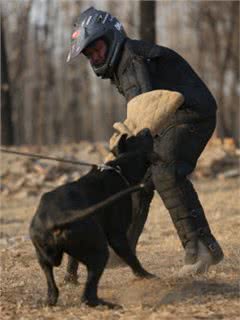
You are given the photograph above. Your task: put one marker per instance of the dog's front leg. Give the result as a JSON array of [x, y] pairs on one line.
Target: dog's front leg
[[71, 272], [53, 291], [120, 245], [141, 203]]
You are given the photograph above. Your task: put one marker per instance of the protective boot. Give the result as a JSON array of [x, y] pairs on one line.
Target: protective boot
[[177, 192], [201, 248]]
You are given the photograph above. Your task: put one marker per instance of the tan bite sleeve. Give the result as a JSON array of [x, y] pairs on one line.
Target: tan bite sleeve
[[152, 109], [148, 110]]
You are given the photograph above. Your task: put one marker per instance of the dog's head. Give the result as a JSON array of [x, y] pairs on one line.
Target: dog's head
[[134, 155], [142, 142]]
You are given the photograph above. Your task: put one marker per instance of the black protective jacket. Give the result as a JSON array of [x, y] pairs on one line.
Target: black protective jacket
[[144, 67]]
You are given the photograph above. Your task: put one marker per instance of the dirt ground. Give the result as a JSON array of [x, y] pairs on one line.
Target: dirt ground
[[212, 296]]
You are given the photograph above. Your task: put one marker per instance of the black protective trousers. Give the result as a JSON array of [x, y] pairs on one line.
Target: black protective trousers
[[178, 147]]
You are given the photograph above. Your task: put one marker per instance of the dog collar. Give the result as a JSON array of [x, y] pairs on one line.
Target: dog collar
[[117, 169]]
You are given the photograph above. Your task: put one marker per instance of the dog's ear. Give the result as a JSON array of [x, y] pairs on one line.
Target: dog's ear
[[145, 140], [121, 146], [144, 132]]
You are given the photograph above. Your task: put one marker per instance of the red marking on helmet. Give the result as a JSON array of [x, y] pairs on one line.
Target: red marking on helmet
[[76, 34]]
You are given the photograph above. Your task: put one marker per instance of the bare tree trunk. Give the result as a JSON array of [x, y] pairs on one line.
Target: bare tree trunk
[[218, 25], [6, 105], [222, 128], [147, 20]]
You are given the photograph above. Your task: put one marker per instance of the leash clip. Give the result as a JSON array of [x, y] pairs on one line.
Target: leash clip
[[103, 167]]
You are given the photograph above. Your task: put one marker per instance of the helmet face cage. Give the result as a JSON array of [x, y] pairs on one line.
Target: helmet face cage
[[91, 25]]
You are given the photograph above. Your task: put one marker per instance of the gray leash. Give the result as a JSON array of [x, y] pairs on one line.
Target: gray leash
[[100, 167], [39, 156]]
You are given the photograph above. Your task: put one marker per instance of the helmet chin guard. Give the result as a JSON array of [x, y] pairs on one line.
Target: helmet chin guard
[[94, 24]]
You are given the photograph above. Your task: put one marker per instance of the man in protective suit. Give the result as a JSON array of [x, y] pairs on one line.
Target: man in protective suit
[[141, 69]]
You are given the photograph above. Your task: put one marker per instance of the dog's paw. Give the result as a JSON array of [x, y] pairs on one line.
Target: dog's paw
[[51, 300], [71, 279], [93, 303], [150, 276], [143, 274]]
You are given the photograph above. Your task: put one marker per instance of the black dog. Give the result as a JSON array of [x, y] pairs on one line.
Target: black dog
[[62, 224]]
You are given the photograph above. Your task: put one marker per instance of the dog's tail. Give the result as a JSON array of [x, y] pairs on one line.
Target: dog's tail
[[74, 215]]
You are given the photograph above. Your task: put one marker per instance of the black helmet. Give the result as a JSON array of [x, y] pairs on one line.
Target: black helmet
[[91, 25]]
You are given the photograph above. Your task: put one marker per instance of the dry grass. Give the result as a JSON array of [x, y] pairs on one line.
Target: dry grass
[[213, 296]]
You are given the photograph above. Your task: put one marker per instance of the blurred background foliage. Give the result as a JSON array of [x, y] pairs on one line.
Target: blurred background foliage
[[44, 100]]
